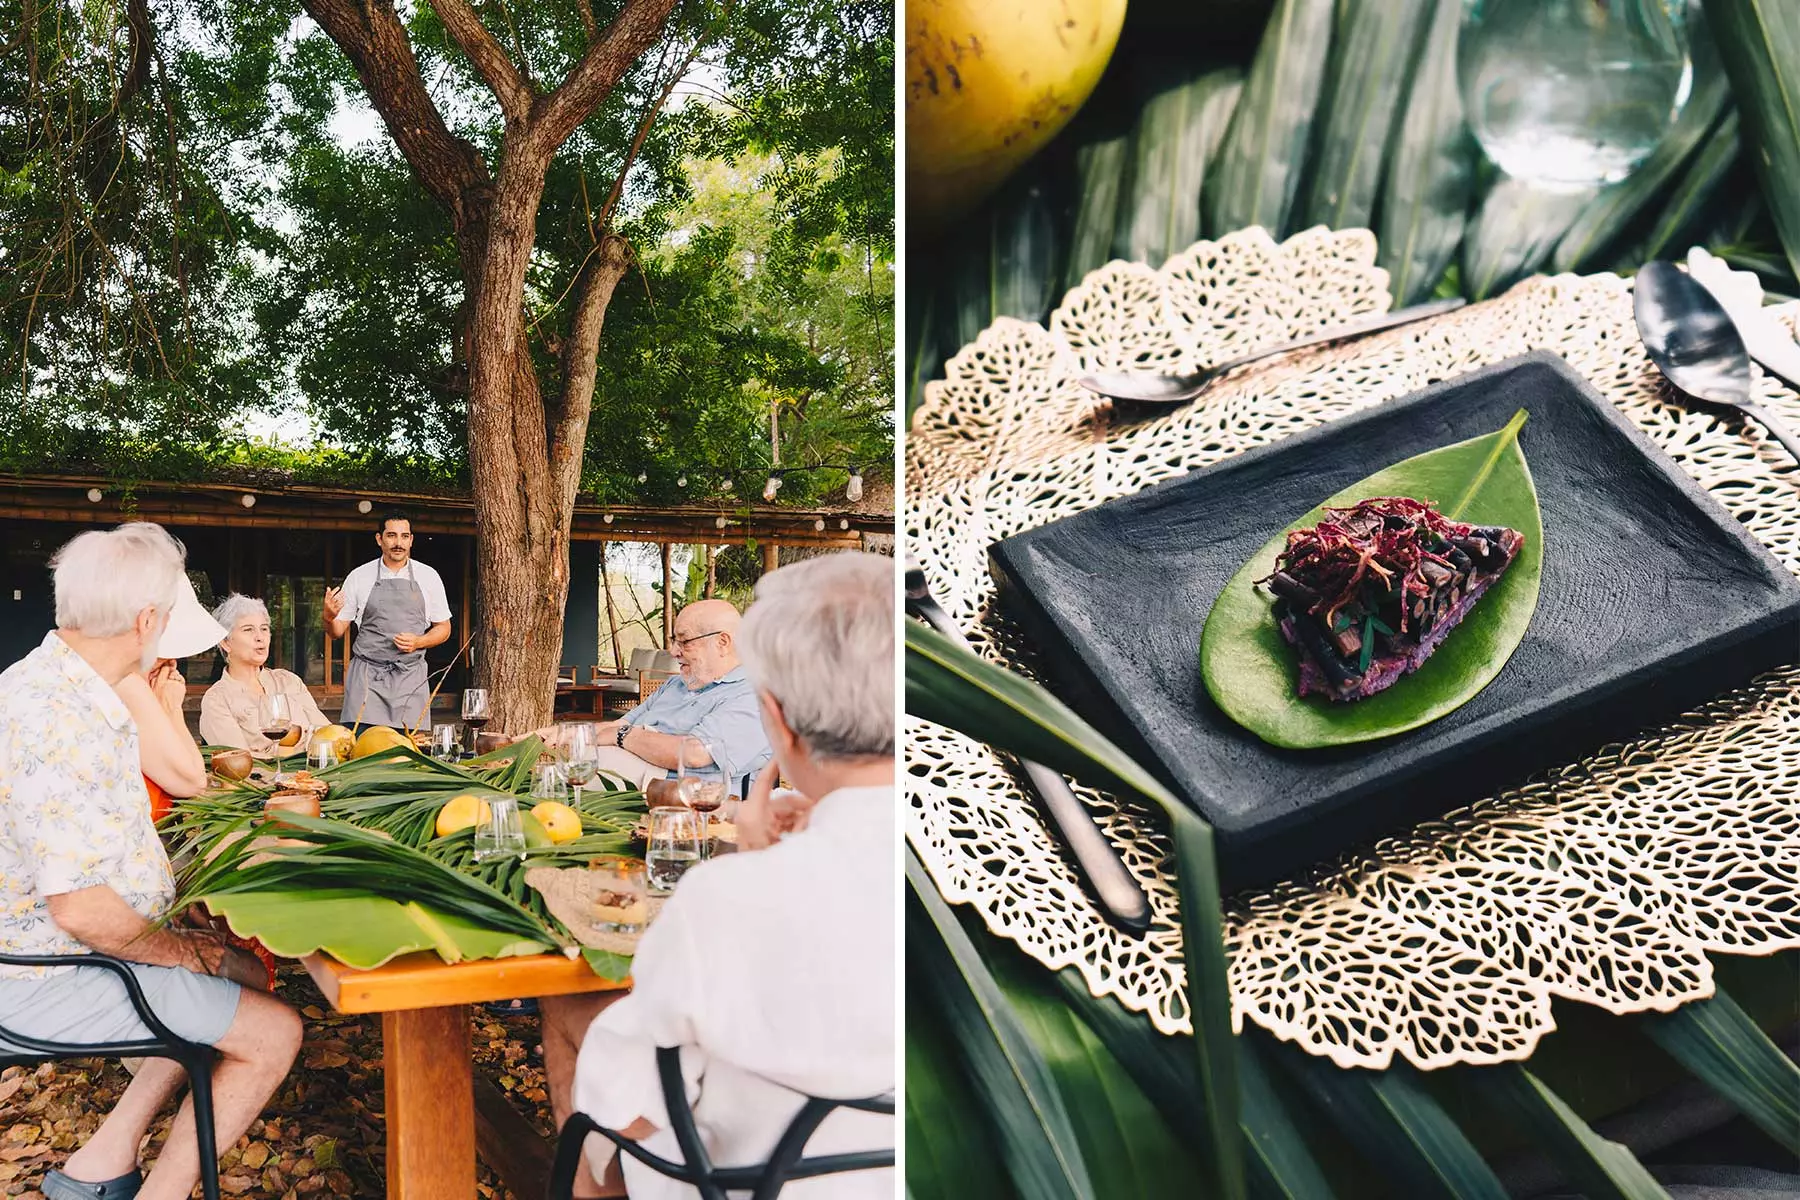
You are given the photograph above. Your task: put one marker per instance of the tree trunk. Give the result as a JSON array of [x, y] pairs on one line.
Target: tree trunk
[[668, 613], [612, 614], [712, 569]]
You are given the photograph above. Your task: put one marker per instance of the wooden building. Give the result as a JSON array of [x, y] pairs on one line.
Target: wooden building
[[285, 543]]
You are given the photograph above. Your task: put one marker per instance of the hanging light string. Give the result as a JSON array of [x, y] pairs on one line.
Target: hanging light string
[[773, 477]]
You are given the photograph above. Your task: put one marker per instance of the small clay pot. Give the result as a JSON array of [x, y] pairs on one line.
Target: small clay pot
[[232, 764], [306, 803]]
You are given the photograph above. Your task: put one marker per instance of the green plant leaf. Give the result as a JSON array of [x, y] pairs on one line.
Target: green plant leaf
[[1003, 263], [1430, 170], [1603, 1170], [947, 684], [1374, 52], [1759, 43], [1178, 131], [1258, 170], [1721, 1045], [1099, 179], [951, 1151], [1680, 222], [606, 964], [1251, 672], [1037, 1142], [1514, 234], [361, 931], [1397, 1125]]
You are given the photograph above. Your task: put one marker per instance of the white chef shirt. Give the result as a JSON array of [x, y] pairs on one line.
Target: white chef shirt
[[772, 970], [360, 582]]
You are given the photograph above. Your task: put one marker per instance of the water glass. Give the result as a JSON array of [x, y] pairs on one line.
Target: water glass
[[620, 903], [547, 781], [1570, 94], [578, 744], [445, 742], [674, 847], [501, 835], [321, 755]]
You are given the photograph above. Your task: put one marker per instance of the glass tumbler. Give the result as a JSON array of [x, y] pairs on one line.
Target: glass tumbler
[[674, 847], [1571, 94], [501, 835], [445, 743], [620, 894]]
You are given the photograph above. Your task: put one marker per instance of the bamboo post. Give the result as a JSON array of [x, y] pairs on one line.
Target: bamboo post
[[612, 614], [668, 607], [712, 562]]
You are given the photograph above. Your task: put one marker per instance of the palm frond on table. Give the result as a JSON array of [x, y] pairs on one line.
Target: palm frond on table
[[369, 878], [1347, 114], [1022, 1083]]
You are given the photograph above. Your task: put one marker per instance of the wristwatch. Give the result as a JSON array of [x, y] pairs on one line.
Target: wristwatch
[[619, 738]]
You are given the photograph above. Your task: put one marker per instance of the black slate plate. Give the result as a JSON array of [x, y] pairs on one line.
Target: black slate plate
[[1653, 599]]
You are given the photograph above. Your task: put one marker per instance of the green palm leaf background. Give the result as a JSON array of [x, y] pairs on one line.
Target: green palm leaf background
[[1219, 114], [1019, 1083]]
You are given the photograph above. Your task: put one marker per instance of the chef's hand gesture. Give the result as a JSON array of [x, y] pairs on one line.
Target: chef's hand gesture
[[406, 643], [334, 603]]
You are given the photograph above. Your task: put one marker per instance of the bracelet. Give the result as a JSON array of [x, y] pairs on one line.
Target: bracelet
[[619, 738]]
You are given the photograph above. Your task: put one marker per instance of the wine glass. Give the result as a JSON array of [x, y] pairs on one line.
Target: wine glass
[[581, 765], [274, 718], [1566, 95], [475, 714], [674, 847], [321, 755], [697, 785]]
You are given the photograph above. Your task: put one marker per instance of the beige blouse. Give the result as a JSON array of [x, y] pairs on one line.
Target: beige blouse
[[228, 712]]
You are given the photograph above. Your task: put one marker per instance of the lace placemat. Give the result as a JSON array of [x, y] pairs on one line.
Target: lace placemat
[[1604, 882]]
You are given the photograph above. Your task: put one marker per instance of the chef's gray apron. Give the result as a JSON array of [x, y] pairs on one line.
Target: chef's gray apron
[[382, 686]]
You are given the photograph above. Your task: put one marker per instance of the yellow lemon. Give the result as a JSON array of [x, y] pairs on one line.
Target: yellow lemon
[[561, 822], [377, 738], [461, 812]]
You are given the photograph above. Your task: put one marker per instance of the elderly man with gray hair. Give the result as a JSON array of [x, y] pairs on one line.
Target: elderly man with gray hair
[[81, 869], [774, 970]]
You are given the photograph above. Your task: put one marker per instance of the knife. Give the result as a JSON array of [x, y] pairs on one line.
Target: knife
[[1119, 897]]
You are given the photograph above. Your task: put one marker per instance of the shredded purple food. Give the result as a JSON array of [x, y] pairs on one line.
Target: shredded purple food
[[1369, 592]]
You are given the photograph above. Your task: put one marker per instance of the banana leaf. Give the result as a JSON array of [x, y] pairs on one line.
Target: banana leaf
[[1717, 1041], [361, 930], [1514, 234], [948, 685], [1374, 53], [1036, 1139], [1250, 670], [1602, 1169], [1006, 262], [1604, 223], [1178, 131], [1430, 171], [1099, 178], [1759, 43], [1257, 174]]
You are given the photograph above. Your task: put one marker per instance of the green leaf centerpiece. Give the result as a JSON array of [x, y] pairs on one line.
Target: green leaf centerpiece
[[1250, 670]]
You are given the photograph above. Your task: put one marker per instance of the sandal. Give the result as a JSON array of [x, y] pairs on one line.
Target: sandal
[[57, 1186]]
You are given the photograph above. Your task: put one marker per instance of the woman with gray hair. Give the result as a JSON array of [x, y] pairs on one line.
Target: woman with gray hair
[[800, 933], [229, 714]]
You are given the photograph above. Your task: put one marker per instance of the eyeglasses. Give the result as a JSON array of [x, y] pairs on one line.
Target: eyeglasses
[[682, 642]]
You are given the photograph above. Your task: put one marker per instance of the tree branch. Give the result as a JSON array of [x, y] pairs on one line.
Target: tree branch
[[448, 166], [643, 131], [581, 364], [503, 78], [637, 27]]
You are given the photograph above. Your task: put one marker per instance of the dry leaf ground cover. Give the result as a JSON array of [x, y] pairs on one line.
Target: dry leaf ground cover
[[321, 1135]]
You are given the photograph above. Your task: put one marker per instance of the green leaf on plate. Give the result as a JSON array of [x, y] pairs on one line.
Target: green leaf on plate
[[1252, 673], [606, 964]]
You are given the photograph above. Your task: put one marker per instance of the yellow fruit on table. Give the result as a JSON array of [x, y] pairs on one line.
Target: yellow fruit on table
[[377, 738], [561, 822], [343, 742], [461, 812], [988, 84]]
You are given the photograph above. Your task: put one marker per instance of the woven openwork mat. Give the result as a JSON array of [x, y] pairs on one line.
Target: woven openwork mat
[[1606, 881]]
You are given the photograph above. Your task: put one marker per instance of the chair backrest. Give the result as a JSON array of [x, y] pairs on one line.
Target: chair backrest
[[643, 659], [764, 1181], [664, 661], [648, 683]]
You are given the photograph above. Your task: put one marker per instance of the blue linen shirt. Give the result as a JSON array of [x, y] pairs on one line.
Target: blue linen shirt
[[724, 714]]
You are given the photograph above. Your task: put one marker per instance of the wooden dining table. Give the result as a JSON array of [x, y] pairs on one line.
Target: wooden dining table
[[439, 1115]]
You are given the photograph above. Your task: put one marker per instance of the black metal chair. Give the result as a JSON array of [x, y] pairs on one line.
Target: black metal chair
[[195, 1059], [765, 1181]]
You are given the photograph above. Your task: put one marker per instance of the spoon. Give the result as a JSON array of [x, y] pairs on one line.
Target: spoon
[[1149, 387], [1694, 342], [1120, 898]]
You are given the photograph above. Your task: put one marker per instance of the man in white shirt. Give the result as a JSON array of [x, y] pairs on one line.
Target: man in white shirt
[[399, 609], [774, 971]]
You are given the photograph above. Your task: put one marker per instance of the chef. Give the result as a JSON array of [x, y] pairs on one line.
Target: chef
[[399, 609]]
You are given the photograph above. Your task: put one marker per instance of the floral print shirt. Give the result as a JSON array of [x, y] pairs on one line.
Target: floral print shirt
[[74, 812]]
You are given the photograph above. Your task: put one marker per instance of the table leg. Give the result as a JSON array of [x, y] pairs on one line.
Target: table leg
[[430, 1104]]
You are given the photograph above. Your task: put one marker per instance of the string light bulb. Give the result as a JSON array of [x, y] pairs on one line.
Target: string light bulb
[[819, 524], [853, 490], [771, 487], [643, 477], [94, 495], [681, 482], [364, 507], [607, 517], [247, 500], [719, 522]]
